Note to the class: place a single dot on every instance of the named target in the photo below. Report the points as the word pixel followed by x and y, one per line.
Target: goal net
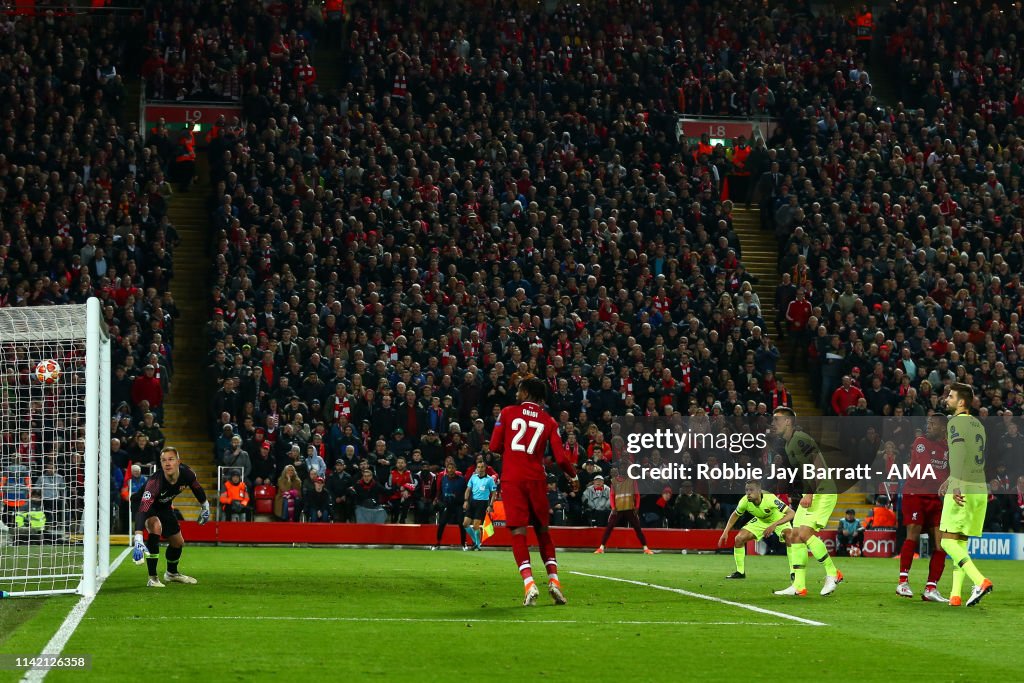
pixel 54 449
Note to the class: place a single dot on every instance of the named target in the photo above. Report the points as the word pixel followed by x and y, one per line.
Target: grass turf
pixel 303 613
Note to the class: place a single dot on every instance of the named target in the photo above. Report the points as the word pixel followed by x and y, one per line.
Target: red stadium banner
pixel 876 543
pixel 176 115
pixel 426 534
pixel 879 543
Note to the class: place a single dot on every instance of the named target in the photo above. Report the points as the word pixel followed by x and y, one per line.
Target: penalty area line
pixel 438 620
pixel 67 629
pixel 709 598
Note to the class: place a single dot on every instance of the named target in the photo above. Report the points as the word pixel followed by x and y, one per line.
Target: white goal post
pixel 55 474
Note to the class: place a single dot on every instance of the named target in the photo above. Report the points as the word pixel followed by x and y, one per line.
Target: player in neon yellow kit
pixel 770 516
pixel 965 493
pixel 815 510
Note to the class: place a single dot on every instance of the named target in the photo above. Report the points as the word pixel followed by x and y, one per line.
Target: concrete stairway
pixel 130 105
pixel 760 257
pixel 327 60
pixel 185 405
pixel 185 411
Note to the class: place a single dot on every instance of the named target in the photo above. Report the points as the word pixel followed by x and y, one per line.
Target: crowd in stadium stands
pixel 495 194
pixel 900 233
pixel 474 206
pixel 901 228
pixel 209 51
pixel 84 202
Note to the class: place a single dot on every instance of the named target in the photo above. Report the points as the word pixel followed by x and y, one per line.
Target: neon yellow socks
pixel 957 551
pixel 958 582
pixel 820 552
pixel 799 560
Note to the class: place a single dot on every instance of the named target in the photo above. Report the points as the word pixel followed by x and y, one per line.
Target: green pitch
pixel 303 614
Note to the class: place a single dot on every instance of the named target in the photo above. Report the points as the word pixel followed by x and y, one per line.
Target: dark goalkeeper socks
pixel 173 555
pixel 153 552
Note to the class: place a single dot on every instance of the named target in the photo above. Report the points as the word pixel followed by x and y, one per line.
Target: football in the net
pixel 48 371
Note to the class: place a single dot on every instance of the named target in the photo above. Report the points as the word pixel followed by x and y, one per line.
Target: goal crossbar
pixel 46 323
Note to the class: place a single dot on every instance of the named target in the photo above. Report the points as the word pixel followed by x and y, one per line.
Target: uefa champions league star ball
pixel 48 371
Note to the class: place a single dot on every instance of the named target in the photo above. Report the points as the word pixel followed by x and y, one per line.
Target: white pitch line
pixel 67 629
pixel 440 620
pixel 710 598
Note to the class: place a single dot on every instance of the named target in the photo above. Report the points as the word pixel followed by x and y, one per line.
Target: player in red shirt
pixel 922 507
pixel 522 435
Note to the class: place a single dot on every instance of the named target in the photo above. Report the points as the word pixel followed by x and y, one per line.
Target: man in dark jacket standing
pixel 451 490
pixel 338 484
pixel 383 419
pixel 470 395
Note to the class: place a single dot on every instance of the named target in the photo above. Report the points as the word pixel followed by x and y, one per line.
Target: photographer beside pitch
pixel 155 513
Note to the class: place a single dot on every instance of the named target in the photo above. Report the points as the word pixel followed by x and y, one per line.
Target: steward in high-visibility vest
pixel 882 516
pixel 187 149
pixel 30 519
pixel 234 500
pixel 185 158
pixel 30 523
pixel 864 25
pixel 234 491
pixel 704 148
pixel 14 491
pixel 216 130
pixel 740 153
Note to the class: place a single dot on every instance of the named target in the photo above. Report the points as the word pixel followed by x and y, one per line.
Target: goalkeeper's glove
pixel 138 549
pixel 204 515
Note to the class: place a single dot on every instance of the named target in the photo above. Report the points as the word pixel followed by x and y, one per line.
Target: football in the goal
pixel 48 371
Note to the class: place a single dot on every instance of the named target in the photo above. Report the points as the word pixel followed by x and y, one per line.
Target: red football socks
pixel 936 565
pixel 547 553
pixel 906 557
pixel 521 553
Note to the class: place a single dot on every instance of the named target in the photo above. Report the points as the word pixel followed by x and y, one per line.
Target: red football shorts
pixel 923 509
pixel 526 502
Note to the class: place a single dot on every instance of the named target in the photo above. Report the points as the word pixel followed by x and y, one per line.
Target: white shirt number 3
pixel 520 427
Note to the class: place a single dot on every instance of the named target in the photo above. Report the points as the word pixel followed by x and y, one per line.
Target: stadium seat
pixel 264 497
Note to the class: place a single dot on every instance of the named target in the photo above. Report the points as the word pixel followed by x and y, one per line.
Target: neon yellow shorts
pixel 818 515
pixel 968 519
pixel 756 527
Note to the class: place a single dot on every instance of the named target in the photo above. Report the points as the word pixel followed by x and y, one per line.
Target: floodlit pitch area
pixel 300 613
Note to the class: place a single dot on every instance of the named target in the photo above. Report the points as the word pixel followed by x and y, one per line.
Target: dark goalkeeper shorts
pixel 165 513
